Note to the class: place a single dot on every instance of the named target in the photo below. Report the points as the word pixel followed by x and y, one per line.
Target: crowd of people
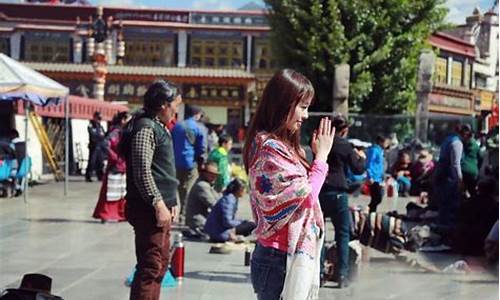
pixel 156 170
pixel 159 171
pixel 203 175
pixel 154 176
pixel 285 189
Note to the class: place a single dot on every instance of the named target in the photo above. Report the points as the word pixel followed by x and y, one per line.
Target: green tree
pixel 379 39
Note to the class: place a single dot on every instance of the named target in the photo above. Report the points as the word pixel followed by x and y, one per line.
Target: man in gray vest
pixel 448 180
pixel 151 186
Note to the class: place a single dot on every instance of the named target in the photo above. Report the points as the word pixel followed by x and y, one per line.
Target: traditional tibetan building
pixel 452 91
pixel 221 59
pixel 482 31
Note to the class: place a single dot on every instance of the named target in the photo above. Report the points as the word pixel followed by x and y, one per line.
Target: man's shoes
pixel 220 249
pixel 88 179
pixel 343 282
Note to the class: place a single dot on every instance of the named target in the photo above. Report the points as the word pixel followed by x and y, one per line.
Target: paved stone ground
pixel 89 260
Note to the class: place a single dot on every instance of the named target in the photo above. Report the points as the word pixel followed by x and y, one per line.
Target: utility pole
pixel 424 88
pixel 341 89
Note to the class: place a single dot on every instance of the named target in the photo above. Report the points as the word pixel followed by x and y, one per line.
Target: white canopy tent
pixel 18 82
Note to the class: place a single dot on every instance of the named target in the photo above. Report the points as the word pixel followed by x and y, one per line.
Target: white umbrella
pixel 18 82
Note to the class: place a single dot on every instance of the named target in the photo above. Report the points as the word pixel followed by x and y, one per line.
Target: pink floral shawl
pixel 280 195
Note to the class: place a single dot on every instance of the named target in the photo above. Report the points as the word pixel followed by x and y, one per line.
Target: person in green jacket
pixel 470 160
pixel 220 157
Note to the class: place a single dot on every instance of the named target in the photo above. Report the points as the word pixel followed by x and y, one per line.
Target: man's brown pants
pixel 152 245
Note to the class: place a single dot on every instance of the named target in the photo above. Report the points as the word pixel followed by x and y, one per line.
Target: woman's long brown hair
pixel 286 89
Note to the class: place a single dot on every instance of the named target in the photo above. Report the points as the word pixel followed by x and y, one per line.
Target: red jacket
pixel 116 162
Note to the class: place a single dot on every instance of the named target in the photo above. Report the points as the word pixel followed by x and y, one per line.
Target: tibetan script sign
pixel 133 92
pixel 452 102
pixel 202 91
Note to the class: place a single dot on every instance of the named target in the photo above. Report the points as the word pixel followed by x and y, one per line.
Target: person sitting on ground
pixel 19 147
pixel 221 158
pixel 8 166
pixel 421 173
pixel 33 287
pixel 201 198
pixel 222 224
pixel 401 172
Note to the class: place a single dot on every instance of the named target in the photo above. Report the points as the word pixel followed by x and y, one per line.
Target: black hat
pixel 340 122
pixel 36 282
pixel 97 115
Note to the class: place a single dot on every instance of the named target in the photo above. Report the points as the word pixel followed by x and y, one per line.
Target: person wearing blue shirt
pixel 222 225
pixel 375 171
pixel 190 151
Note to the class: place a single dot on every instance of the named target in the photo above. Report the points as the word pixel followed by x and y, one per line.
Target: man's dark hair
pixel 224 138
pixel 340 123
pixel 158 94
pixel 234 186
pixel 465 129
pixel 118 117
pixel 380 139
pixel 192 110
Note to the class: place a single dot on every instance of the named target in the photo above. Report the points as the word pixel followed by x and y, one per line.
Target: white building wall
pixel 80 136
pixel 216 114
pixel 81 140
pixel 492 81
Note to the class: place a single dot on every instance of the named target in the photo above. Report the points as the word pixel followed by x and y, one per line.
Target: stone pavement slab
pixel 90 260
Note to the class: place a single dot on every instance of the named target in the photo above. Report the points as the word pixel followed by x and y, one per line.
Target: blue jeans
pixel 268 270
pixel 404 184
pixel 335 206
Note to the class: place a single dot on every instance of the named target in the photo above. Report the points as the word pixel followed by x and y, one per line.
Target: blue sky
pixel 458 9
pixel 201 4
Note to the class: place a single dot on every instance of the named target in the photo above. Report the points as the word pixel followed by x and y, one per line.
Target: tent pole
pixel 66 145
pixel 26 179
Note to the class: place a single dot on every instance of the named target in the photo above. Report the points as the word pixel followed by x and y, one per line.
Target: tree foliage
pixel 379 39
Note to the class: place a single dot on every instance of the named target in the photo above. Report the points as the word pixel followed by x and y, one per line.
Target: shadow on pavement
pixel 60 220
pixel 410 272
pixel 476 281
pixel 231 277
pixel 382 260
